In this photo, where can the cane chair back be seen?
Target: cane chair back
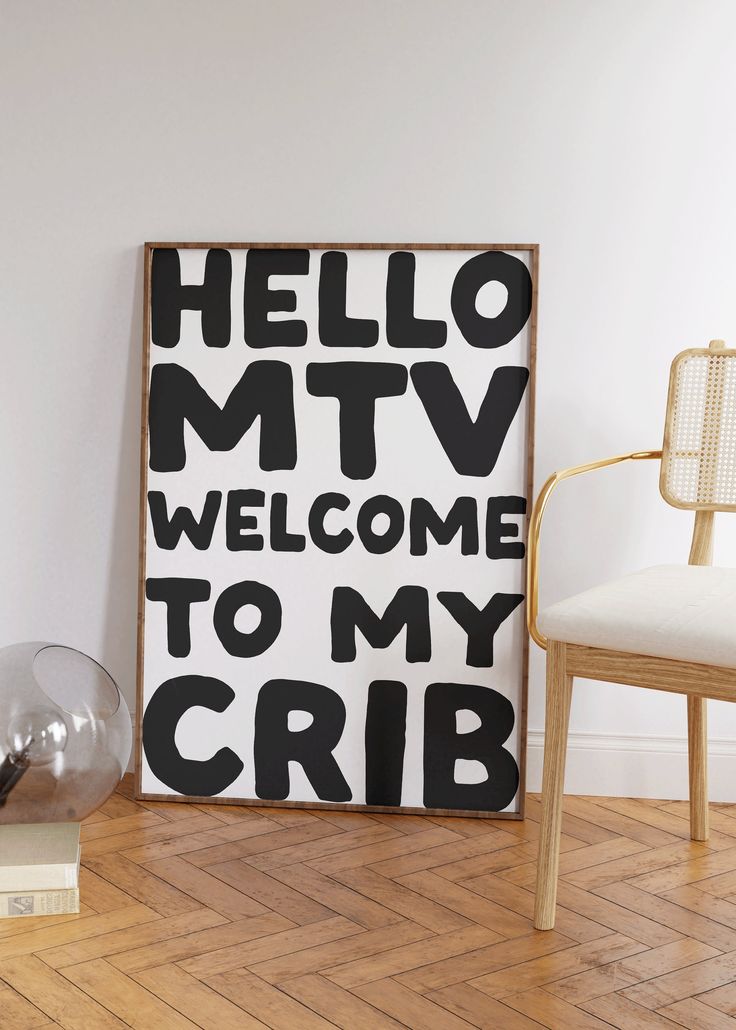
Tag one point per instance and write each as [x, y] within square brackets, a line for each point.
[698, 468]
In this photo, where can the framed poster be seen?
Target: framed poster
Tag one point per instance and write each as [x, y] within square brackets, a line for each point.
[336, 457]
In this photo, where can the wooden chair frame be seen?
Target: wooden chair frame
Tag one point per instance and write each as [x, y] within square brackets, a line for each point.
[565, 661]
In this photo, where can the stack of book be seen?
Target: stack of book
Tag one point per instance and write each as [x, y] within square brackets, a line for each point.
[39, 869]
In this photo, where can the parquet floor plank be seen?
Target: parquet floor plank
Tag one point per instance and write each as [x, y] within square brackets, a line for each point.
[43, 937]
[125, 824]
[105, 944]
[440, 855]
[722, 885]
[399, 960]
[18, 1014]
[408, 1008]
[554, 1013]
[282, 852]
[623, 1012]
[165, 830]
[340, 1007]
[619, 824]
[586, 857]
[324, 956]
[133, 1004]
[192, 998]
[698, 867]
[292, 816]
[264, 844]
[99, 893]
[616, 917]
[334, 895]
[118, 806]
[674, 918]
[584, 830]
[463, 969]
[719, 820]
[541, 971]
[269, 892]
[683, 983]
[636, 809]
[634, 865]
[217, 916]
[521, 901]
[141, 884]
[200, 942]
[276, 1009]
[401, 899]
[61, 1001]
[204, 888]
[221, 834]
[480, 1010]
[273, 945]
[369, 854]
[468, 903]
[722, 998]
[721, 910]
[694, 1014]
[619, 974]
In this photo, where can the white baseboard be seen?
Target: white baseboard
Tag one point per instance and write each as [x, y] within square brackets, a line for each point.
[618, 765]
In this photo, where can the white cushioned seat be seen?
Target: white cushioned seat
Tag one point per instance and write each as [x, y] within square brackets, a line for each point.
[669, 611]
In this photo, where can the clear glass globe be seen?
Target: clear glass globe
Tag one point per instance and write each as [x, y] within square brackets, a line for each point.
[71, 717]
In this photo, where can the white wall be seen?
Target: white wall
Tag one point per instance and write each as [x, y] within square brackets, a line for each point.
[604, 131]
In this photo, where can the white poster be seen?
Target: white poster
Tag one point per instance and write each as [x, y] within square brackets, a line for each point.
[336, 462]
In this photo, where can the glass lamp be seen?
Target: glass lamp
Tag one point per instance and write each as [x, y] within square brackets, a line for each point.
[65, 734]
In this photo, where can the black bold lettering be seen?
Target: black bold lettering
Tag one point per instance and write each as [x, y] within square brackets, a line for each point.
[276, 745]
[336, 328]
[443, 745]
[281, 538]
[229, 603]
[331, 543]
[178, 595]
[169, 298]
[408, 608]
[167, 531]
[492, 266]
[480, 624]
[385, 741]
[265, 389]
[259, 300]
[160, 719]
[462, 518]
[380, 543]
[472, 446]
[357, 385]
[496, 530]
[403, 328]
[236, 522]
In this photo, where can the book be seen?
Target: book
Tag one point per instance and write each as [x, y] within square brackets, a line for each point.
[39, 857]
[38, 903]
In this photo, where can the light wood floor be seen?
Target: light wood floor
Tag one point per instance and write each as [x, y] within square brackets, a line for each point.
[232, 917]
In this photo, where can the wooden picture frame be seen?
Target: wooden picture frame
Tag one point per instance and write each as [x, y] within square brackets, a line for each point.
[529, 328]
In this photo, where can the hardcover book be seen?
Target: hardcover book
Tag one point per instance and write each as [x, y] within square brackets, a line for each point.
[39, 903]
[39, 857]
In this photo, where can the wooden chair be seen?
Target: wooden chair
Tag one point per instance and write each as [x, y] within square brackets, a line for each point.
[666, 628]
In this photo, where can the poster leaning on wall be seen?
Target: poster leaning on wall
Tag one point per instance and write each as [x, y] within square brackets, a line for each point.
[336, 460]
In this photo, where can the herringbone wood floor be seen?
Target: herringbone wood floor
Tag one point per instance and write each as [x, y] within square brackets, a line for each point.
[222, 917]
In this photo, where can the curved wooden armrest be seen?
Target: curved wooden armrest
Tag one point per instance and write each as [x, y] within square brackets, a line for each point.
[535, 525]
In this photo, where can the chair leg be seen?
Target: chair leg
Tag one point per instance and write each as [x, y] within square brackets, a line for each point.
[559, 695]
[697, 740]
